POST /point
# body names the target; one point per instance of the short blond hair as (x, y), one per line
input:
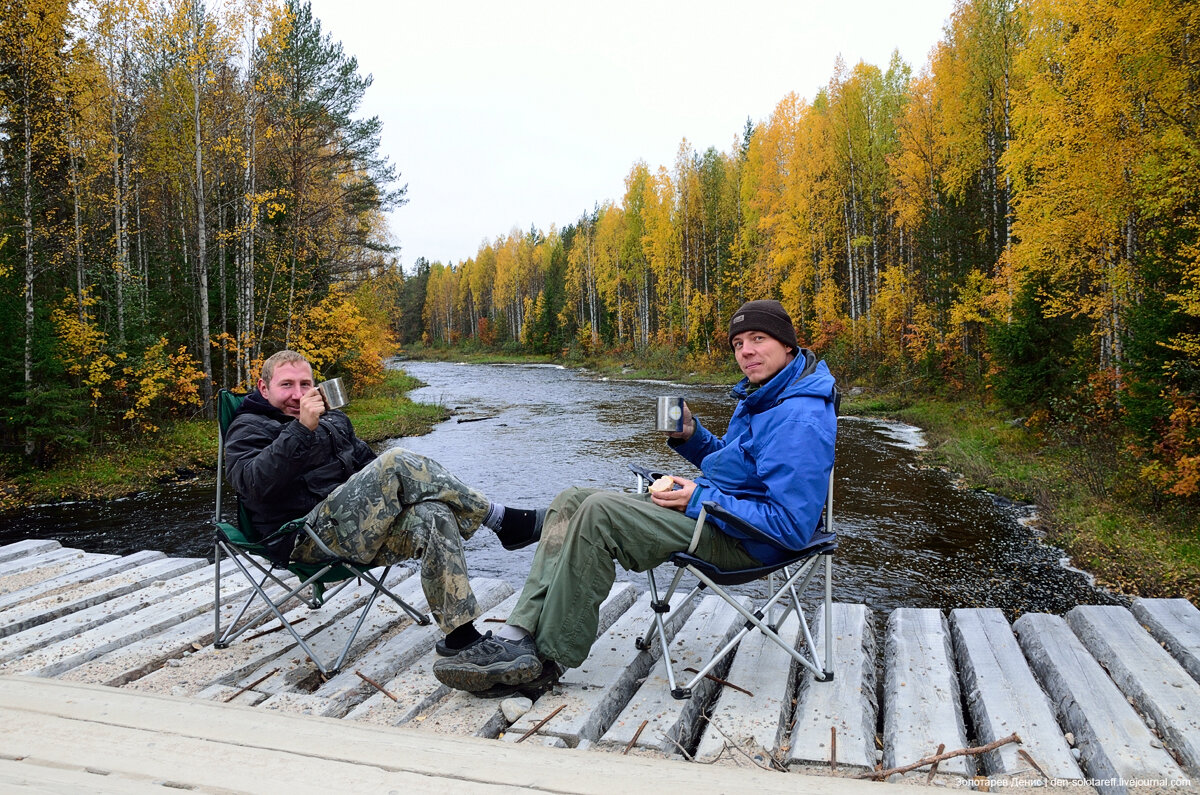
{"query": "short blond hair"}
(276, 359)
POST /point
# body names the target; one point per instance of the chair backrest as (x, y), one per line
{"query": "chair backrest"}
(228, 404)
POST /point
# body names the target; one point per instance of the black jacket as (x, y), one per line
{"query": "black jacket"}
(281, 470)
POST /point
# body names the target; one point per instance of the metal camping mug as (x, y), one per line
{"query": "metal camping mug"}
(333, 393)
(669, 416)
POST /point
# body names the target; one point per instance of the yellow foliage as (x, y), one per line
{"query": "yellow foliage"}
(161, 376)
(346, 334)
(81, 344)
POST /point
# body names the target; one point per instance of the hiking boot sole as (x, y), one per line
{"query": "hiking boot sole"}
(475, 678)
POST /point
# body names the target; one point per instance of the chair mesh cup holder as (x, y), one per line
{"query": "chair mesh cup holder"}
(794, 574)
(238, 542)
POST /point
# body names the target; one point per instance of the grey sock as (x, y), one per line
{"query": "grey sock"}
(495, 516)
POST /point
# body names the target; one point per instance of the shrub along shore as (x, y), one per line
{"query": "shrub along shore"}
(1122, 538)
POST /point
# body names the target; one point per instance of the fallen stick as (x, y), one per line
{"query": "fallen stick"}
(833, 747)
(933, 768)
(375, 685)
(1022, 753)
(636, 735)
(722, 682)
(253, 684)
(542, 722)
(274, 629)
(983, 749)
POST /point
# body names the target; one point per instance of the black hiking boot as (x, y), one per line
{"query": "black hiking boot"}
(492, 661)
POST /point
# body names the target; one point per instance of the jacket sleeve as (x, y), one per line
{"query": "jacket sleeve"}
(793, 463)
(698, 445)
(262, 467)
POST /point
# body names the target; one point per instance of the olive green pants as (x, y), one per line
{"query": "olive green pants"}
(573, 570)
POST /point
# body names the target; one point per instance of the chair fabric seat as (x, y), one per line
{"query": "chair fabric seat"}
(821, 544)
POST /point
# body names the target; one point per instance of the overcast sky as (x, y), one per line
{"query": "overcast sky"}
(502, 115)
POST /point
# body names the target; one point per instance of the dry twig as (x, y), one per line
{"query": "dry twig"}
(542, 722)
(933, 768)
(375, 685)
(636, 735)
(983, 749)
(720, 681)
(274, 629)
(253, 684)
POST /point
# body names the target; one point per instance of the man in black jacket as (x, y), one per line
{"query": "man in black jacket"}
(288, 457)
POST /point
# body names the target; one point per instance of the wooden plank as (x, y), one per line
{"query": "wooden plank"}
(175, 575)
(848, 704)
(18, 618)
(61, 557)
(385, 660)
(753, 717)
(593, 694)
(187, 743)
(174, 646)
(922, 706)
(26, 547)
(63, 582)
(670, 723)
(329, 636)
(1175, 623)
(1144, 671)
(30, 776)
(1003, 697)
(1113, 742)
(158, 614)
(461, 713)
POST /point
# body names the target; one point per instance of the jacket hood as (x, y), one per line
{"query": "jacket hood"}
(255, 403)
(804, 376)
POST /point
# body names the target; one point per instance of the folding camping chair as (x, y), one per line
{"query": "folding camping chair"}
(797, 571)
(241, 543)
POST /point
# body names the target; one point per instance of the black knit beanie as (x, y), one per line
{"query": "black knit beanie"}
(768, 316)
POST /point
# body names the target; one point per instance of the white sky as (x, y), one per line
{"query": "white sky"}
(512, 114)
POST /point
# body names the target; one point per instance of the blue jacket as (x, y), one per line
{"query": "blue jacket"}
(772, 466)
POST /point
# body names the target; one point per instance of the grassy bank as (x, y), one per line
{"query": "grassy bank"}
(1087, 497)
(188, 448)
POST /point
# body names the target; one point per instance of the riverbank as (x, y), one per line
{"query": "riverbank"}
(188, 448)
(1085, 506)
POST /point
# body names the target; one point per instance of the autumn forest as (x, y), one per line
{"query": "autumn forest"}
(187, 186)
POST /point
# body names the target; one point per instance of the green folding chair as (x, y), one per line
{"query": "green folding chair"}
(240, 543)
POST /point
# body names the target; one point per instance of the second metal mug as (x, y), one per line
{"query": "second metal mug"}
(333, 393)
(669, 415)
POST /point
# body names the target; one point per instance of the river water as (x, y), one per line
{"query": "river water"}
(908, 536)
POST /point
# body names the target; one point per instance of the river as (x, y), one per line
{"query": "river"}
(908, 535)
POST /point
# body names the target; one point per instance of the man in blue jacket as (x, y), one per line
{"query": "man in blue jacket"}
(771, 469)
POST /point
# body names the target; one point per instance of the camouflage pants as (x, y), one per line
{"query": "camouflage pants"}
(404, 506)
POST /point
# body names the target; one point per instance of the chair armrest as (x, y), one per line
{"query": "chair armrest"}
(742, 526)
(645, 472)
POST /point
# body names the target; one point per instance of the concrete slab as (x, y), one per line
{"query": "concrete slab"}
(62, 558)
(1114, 744)
(1175, 623)
(1003, 697)
(1158, 685)
(922, 704)
(848, 704)
(653, 719)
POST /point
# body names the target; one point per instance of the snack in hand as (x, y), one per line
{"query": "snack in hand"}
(662, 484)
